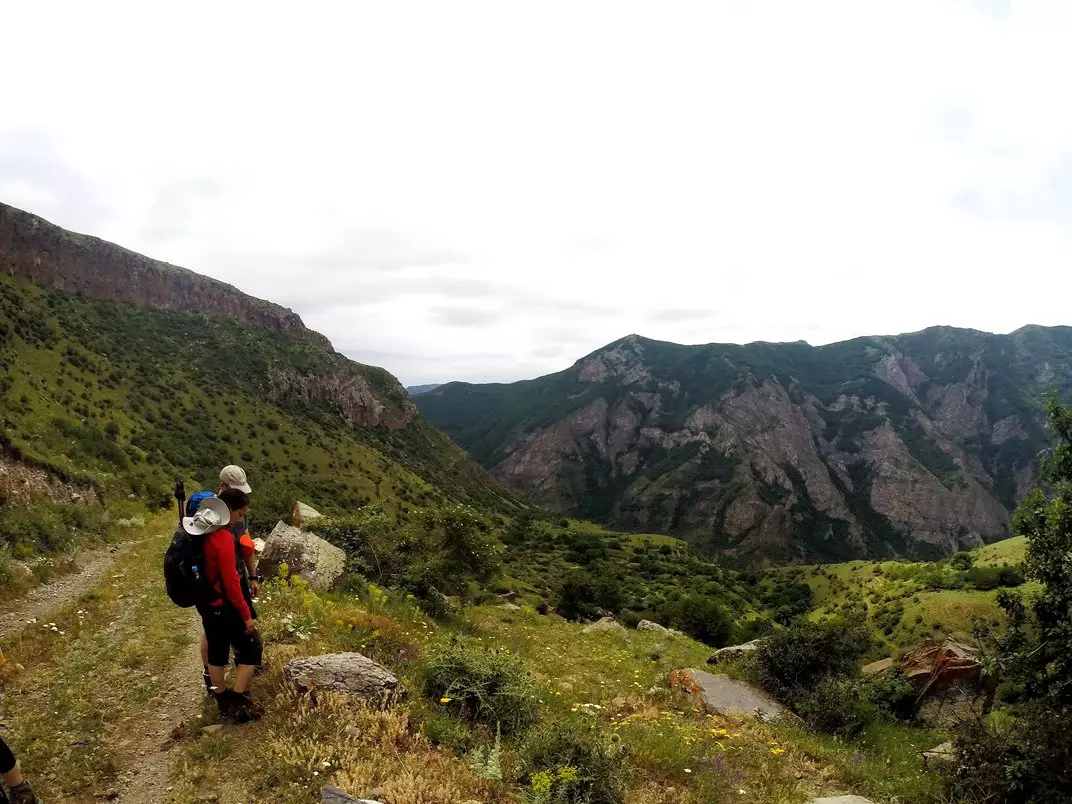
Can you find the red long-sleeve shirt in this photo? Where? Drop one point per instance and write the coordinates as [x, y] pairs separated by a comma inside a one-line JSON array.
[[222, 569]]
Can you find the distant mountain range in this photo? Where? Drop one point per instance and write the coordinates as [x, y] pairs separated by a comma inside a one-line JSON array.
[[916, 444], [417, 390]]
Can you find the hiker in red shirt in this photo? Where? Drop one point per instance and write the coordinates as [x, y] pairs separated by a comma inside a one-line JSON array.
[[228, 620], [234, 477]]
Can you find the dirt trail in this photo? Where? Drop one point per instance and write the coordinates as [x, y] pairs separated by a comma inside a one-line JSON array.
[[40, 601], [148, 782]]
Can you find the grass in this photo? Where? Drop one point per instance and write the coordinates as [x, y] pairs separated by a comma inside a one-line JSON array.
[[896, 596], [75, 685], [97, 683]]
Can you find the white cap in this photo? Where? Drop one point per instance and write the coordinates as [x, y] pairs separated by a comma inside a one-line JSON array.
[[212, 514], [235, 477]]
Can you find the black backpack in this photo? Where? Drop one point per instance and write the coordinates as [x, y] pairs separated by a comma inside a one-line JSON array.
[[184, 572]]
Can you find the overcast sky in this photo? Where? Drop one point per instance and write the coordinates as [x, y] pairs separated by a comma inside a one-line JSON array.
[[488, 191]]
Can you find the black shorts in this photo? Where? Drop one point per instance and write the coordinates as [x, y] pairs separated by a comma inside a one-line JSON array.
[[224, 630]]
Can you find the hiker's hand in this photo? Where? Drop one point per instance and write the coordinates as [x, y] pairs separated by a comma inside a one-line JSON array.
[[255, 588], [251, 626]]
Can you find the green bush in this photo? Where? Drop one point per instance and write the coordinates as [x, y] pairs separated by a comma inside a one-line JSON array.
[[482, 685], [893, 695], [702, 618], [573, 762], [587, 596], [1022, 759], [441, 550], [835, 705], [795, 659]]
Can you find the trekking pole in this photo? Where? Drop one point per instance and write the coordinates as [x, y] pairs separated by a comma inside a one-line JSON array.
[[180, 497]]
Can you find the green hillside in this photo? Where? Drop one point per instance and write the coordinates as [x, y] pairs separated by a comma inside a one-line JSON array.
[[909, 601], [127, 399], [913, 445]]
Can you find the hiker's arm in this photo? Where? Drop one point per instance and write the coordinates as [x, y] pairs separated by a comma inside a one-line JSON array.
[[251, 573], [232, 585]]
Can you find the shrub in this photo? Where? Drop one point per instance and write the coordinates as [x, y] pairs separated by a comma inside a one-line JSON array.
[[700, 617], [793, 660], [586, 596], [893, 695], [482, 685], [573, 762], [836, 705], [1013, 759]]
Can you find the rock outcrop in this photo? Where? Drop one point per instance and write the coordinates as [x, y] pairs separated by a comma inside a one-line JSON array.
[[23, 482], [306, 555], [349, 673], [40, 252]]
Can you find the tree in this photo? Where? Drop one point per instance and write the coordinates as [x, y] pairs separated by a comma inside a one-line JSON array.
[[700, 617], [1031, 760]]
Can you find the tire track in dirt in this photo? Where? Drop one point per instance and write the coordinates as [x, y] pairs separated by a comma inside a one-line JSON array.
[[179, 703], [39, 602]]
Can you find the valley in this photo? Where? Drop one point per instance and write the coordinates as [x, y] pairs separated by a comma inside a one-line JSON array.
[[906, 446], [543, 596]]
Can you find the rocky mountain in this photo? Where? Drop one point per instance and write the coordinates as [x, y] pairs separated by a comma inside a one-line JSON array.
[[917, 444], [37, 251], [417, 390], [121, 372]]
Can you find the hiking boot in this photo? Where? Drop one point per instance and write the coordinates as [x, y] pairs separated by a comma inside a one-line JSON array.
[[224, 702], [22, 794], [243, 710]]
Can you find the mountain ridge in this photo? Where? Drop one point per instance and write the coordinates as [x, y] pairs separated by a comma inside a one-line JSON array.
[[121, 372], [38, 251], [879, 445]]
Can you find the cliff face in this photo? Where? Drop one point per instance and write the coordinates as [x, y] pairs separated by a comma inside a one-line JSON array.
[[37, 251], [918, 444]]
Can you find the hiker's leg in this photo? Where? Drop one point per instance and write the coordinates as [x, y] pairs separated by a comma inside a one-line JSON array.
[[204, 648], [242, 677], [249, 650], [217, 647], [218, 676], [9, 768]]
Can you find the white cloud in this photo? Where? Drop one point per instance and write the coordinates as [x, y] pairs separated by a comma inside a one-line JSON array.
[[490, 190]]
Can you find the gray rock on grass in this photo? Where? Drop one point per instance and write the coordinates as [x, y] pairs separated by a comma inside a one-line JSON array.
[[604, 625], [722, 695], [350, 673], [333, 795], [734, 651], [648, 625]]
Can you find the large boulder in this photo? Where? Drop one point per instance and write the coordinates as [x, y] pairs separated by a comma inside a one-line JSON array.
[[722, 695], [349, 673], [734, 651], [604, 625], [648, 625], [303, 513], [306, 555]]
